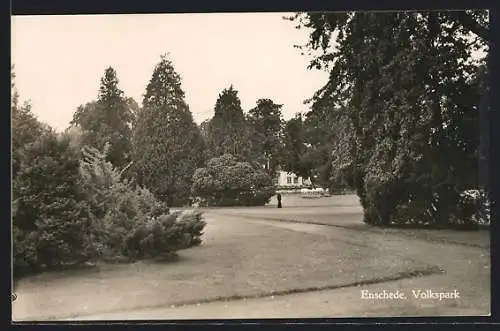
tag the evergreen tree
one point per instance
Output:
(228, 131)
(50, 216)
(168, 146)
(26, 128)
(108, 120)
(265, 122)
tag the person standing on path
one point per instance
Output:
(279, 200)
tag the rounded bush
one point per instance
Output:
(227, 182)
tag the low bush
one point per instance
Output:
(129, 222)
(70, 208)
(227, 182)
(161, 236)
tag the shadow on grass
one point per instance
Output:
(420, 233)
(420, 272)
(88, 268)
(166, 258)
(54, 272)
(453, 227)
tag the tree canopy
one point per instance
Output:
(168, 145)
(109, 119)
(227, 131)
(405, 89)
(265, 121)
(295, 147)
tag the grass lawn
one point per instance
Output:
(345, 211)
(247, 255)
(237, 259)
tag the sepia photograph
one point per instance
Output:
(277, 165)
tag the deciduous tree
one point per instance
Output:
(265, 121)
(109, 119)
(409, 86)
(295, 147)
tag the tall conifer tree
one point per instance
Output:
(168, 145)
(228, 131)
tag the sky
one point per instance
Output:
(59, 60)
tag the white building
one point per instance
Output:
(291, 180)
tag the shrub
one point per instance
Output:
(227, 182)
(50, 216)
(473, 209)
(129, 222)
(160, 237)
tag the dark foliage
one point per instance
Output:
(51, 221)
(407, 91)
(228, 131)
(168, 145)
(228, 182)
